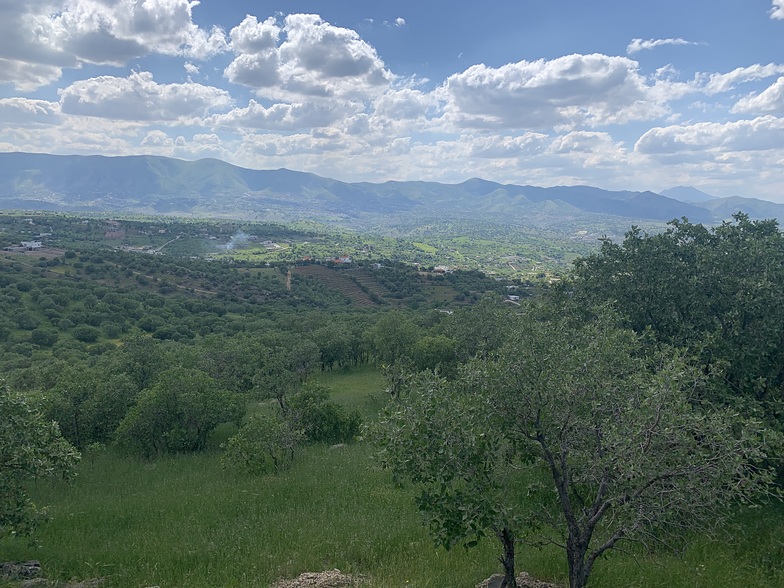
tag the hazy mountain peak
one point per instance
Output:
(688, 194)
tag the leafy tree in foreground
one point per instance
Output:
(30, 448)
(453, 449)
(569, 435)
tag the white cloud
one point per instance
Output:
(712, 139)
(252, 36)
(38, 39)
(638, 45)
(139, 98)
(114, 31)
(24, 112)
(575, 89)
(582, 142)
(493, 147)
(26, 77)
(404, 104)
(191, 69)
(769, 100)
(667, 89)
(717, 83)
(280, 116)
(314, 60)
(778, 9)
(400, 22)
(157, 138)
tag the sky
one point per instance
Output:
(610, 93)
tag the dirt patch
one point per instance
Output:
(44, 583)
(524, 580)
(328, 579)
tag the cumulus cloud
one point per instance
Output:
(666, 88)
(26, 77)
(405, 104)
(638, 45)
(769, 100)
(527, 144)
(575, 89)
(759, 134)
(139, 98)
(38, 39)
(280, 116)
(23, 112)
(114, 31)
(778, 10)
(400, 22)
(313, 60)
(717, 83)
(582, 142)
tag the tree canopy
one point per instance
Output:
(718, 292)
(574, 426)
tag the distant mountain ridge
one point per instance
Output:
(688, 194)
(210, 187)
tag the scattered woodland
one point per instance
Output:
(198, 404)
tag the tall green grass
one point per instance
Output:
(183, 521)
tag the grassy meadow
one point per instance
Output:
(185, 522)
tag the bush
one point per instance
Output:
(177, 414)
(86, 334)
(265, 444)
(322, 420)
(43, 337)
(26, 321)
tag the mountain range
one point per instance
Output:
(210, 187)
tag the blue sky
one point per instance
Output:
(616, 94)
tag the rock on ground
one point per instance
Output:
(524, 580)
(20, 570)
(328, 579)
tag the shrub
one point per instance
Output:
(265, 444)
(322, 420)
(177, 414)
(86, 334)
(43, 337)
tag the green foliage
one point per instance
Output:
(451, 448)
(718, 292)
(321, 420)
(575, 407)
(44, 337)
(184, 521)
(177, 413)
(88, 403)
(265, 444)
(30, 448)
(627, 453)
(26, 320)
(435, 352)
(393, 336)
(86, 333)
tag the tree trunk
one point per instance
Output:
(508, 559)
(579, 569)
